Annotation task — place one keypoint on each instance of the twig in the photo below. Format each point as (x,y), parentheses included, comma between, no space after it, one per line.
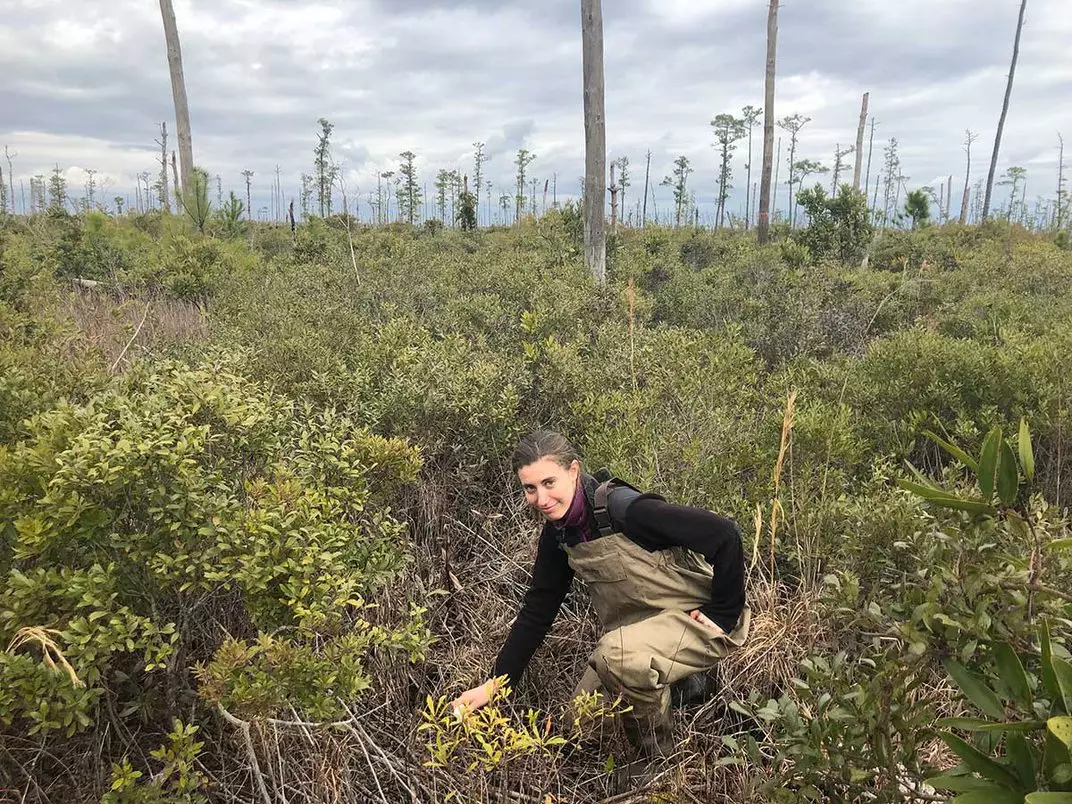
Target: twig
(368,759)
(1035,569)
(882,304)
(250,752)
(29,776)
(1049,590)
(635,795)
(132,337)
(359,731)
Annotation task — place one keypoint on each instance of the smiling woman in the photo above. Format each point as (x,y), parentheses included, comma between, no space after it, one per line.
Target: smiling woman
(666,581)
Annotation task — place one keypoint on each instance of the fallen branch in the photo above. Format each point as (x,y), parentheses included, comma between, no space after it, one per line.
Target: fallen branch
(255,766)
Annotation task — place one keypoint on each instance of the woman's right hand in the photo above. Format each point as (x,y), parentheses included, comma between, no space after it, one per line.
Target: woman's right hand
(471,700)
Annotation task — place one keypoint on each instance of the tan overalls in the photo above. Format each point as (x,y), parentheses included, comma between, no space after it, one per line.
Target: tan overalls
(643,600)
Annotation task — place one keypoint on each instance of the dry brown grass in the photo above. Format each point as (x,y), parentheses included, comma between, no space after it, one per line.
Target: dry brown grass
(122,328)
(786,629)
(51,654)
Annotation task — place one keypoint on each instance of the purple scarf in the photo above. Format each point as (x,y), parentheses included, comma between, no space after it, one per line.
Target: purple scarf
(577,515)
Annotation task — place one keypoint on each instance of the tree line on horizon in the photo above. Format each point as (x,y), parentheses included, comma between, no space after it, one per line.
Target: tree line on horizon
(400,194)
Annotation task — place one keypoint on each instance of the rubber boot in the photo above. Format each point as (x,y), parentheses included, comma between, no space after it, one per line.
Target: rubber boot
(695,689)
(651,737)
(650,733)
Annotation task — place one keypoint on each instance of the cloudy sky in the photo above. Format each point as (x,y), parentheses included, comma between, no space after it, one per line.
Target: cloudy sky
(86,84)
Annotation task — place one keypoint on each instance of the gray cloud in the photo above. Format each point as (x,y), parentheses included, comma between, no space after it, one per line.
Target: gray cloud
(87,84)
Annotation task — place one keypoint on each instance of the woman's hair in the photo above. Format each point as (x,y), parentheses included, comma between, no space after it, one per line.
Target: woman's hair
(543,444)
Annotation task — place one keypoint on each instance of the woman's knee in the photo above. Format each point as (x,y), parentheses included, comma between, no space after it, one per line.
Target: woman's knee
(620,665)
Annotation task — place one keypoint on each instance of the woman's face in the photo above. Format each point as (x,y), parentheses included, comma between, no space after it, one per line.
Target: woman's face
(549,486)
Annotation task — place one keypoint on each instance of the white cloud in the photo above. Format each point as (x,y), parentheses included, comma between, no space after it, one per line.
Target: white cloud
(88,83)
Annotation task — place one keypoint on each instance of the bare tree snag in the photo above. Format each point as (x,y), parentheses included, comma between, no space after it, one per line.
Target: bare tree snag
(870,151)
(768,125)
(1062,193)
(162,180)
(175,175)
(613,199)
(860,142)
(1004,112)
(969,139)
(11,180)
(248,174)
(595,137)
(647,176)
(178,92)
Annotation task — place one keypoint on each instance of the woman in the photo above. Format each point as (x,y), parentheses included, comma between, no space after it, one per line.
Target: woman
(667,582)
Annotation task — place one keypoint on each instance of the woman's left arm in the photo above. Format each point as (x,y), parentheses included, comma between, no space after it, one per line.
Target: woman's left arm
(655,523)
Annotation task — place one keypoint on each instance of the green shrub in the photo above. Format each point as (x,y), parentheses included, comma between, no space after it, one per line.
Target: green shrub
(839,227)
(661,412)
(129,519)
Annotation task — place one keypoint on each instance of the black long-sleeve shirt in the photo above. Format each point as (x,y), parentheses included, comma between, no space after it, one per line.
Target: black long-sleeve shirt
(654,524)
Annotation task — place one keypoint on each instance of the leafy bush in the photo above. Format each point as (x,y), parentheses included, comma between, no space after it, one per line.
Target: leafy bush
(182,515)
(839,227)
(178,781)
(179,499)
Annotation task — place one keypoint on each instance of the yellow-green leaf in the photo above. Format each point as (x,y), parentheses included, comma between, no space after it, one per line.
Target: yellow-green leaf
(1061,728)
(1027,454)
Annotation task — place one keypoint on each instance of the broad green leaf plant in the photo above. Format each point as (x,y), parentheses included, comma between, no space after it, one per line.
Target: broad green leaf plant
(1020,749)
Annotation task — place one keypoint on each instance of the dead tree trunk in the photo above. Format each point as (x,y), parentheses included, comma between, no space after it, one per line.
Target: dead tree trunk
(1004,112)
(249,194)
(1059,212)
(613,200)
(178,186)
(967,178)
(860,142)
(178,92)
(165,193)
(595,136)
(647,176)
(768,125)
(11,181)
(870,151)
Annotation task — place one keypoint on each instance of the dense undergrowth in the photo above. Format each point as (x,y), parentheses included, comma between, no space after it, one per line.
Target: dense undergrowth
(255,507)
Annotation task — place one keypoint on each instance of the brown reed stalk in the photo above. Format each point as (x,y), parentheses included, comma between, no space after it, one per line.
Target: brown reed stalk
(630,294)
(776,504)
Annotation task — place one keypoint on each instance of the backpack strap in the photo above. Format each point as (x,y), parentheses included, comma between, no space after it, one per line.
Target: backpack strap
(602,514)
(601,502)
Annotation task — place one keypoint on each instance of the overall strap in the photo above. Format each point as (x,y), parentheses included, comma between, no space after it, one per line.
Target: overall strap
(601,501)
(603,522)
